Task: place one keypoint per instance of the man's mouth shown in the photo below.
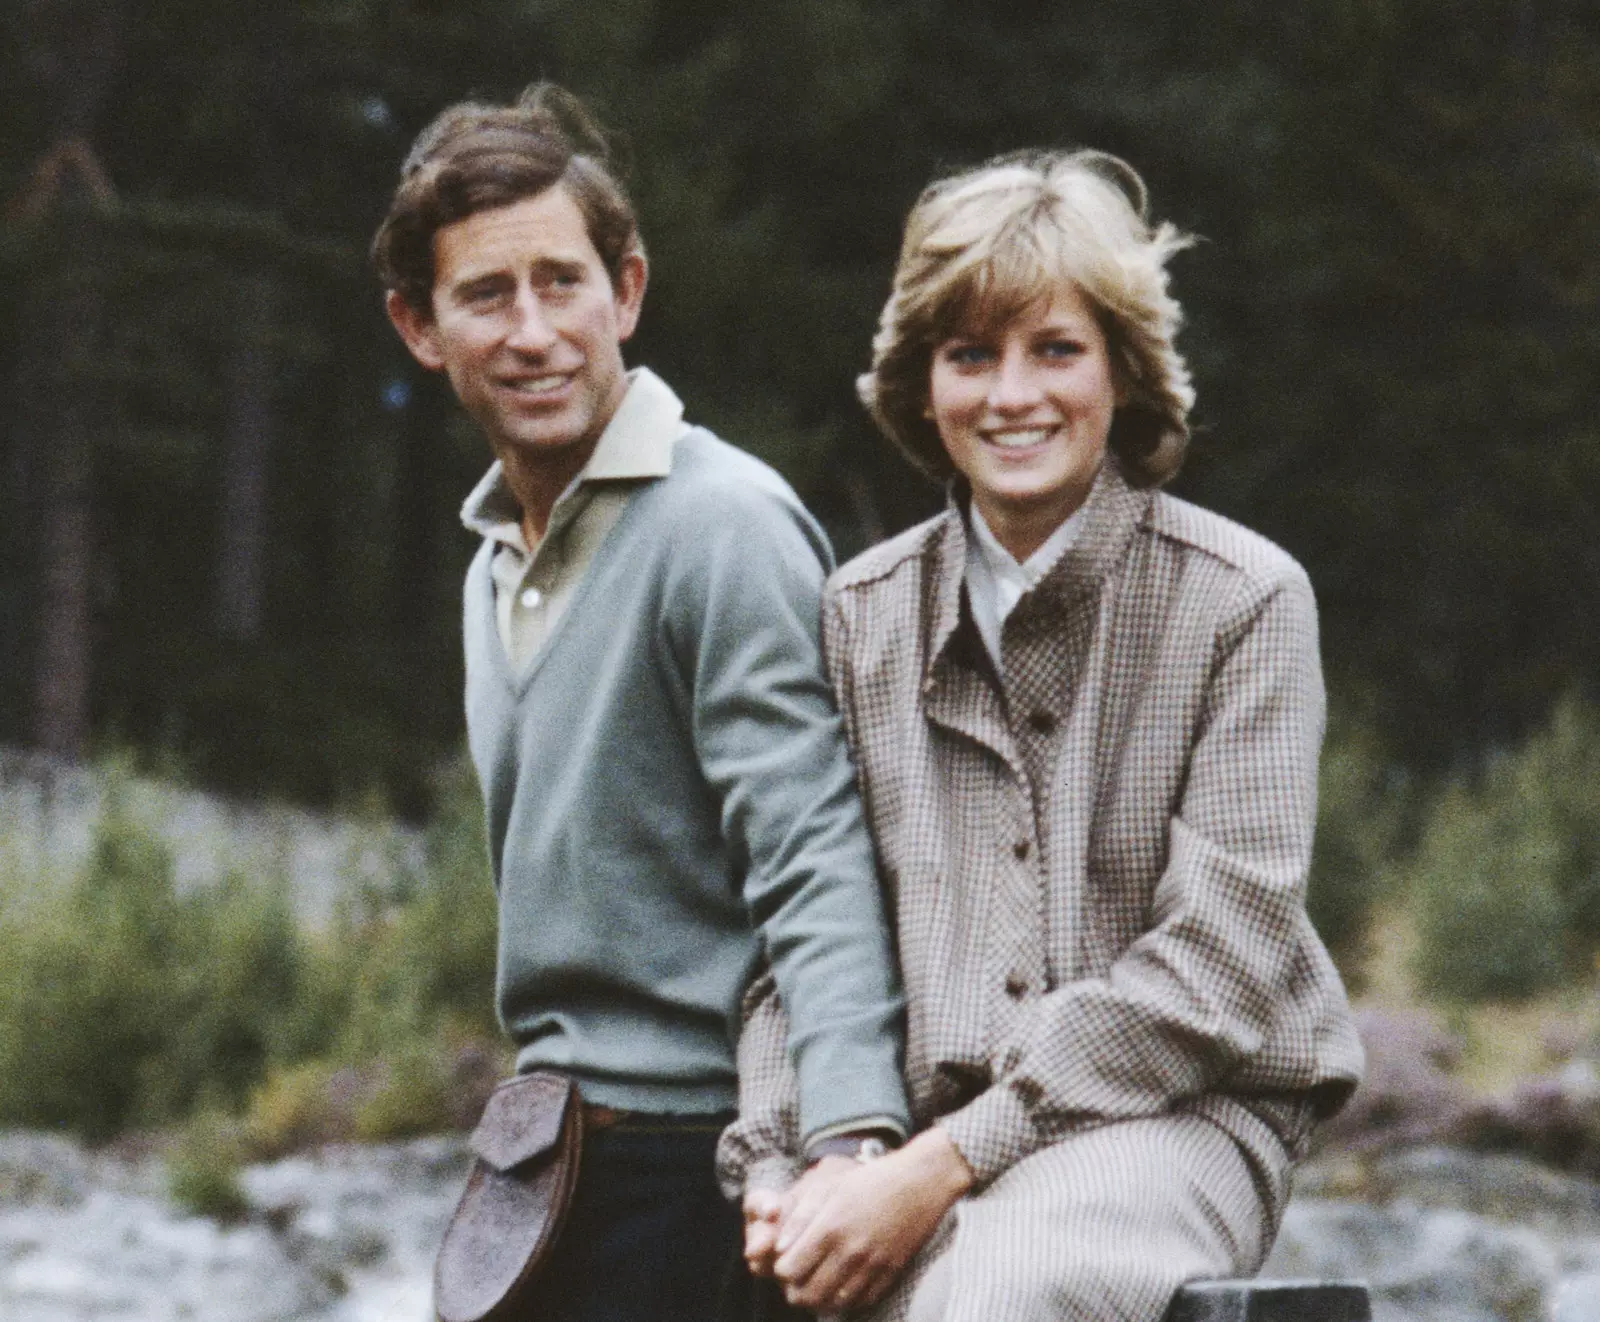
(535, 386)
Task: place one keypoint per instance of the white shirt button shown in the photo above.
(532, 597)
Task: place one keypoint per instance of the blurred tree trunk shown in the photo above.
(250, 436)
(60, 386)
(247, 455)
(74, 48)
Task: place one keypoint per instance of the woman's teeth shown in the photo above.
(1017, 440)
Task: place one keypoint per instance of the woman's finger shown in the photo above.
(808, 1196)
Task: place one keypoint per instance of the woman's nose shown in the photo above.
(1014, 385)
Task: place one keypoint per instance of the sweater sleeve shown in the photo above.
(744, 612)
(1195, 995)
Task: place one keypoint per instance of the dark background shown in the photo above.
(228, 531)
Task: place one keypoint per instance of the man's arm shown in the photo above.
(742, 616)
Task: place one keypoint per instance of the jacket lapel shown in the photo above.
(959, 693)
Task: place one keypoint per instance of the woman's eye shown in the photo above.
(1060, 349)
(967, 355)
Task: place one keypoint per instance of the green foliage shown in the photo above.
(203, 1169)
(412, 1096)
(1504, 873)
(124, 1002)
(1563, 761)
(87, 993)
(1361, 805)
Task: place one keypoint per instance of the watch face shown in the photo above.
(871, 1148)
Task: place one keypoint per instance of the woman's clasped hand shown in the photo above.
(843, 1234)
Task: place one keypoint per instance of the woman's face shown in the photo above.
(1024, 413)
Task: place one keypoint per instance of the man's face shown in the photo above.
(528, 326)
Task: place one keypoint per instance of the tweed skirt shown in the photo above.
(1102, 1226)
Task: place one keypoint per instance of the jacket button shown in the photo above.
(1042, 722)
(1020, 849)
(1016, 986)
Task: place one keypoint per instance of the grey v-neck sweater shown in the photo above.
(669, 793)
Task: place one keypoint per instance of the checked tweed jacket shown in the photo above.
(1097, 866)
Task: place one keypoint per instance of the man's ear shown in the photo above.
(417, 329)
(628, 291)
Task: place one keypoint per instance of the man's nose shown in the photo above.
(531, 331)
(1014, 385)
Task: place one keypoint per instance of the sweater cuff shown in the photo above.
(993, 1132)
(841, 1081)
(860, 1124)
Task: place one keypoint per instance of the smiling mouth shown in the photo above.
(537, 385)
(1018, 438)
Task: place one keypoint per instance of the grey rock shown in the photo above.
(1510, 1188)
(366, 1220)
(1423, 1265)
(117, 1255)
(348, 1233)
(41, 1170)
(343, 1235)
(1577, 1299)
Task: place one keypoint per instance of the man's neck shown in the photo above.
(537, 480)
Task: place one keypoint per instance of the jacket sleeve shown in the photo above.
(745, 617)
(762, 1147)
(1195, 995)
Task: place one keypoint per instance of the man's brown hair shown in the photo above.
(475, 157)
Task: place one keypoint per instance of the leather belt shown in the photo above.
(597, 1118)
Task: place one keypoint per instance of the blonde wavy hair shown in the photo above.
(982, 246)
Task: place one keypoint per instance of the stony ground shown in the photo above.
(344, 1236)
(347, 1235)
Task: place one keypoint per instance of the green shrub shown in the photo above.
(1361, 804)
(298, 1106)
(122, 1002)
(1490, 916)
(412, 1095)
(88, 993)
(241, 961)
(203, 1169)
(1561, 766)
(1507, 874)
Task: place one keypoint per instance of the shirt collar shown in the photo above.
(1110, 516)
(639, 439)
(636, 444)
(1004, 567)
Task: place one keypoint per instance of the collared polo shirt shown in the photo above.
(534, 584)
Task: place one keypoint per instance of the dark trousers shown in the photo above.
(650, 1237)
